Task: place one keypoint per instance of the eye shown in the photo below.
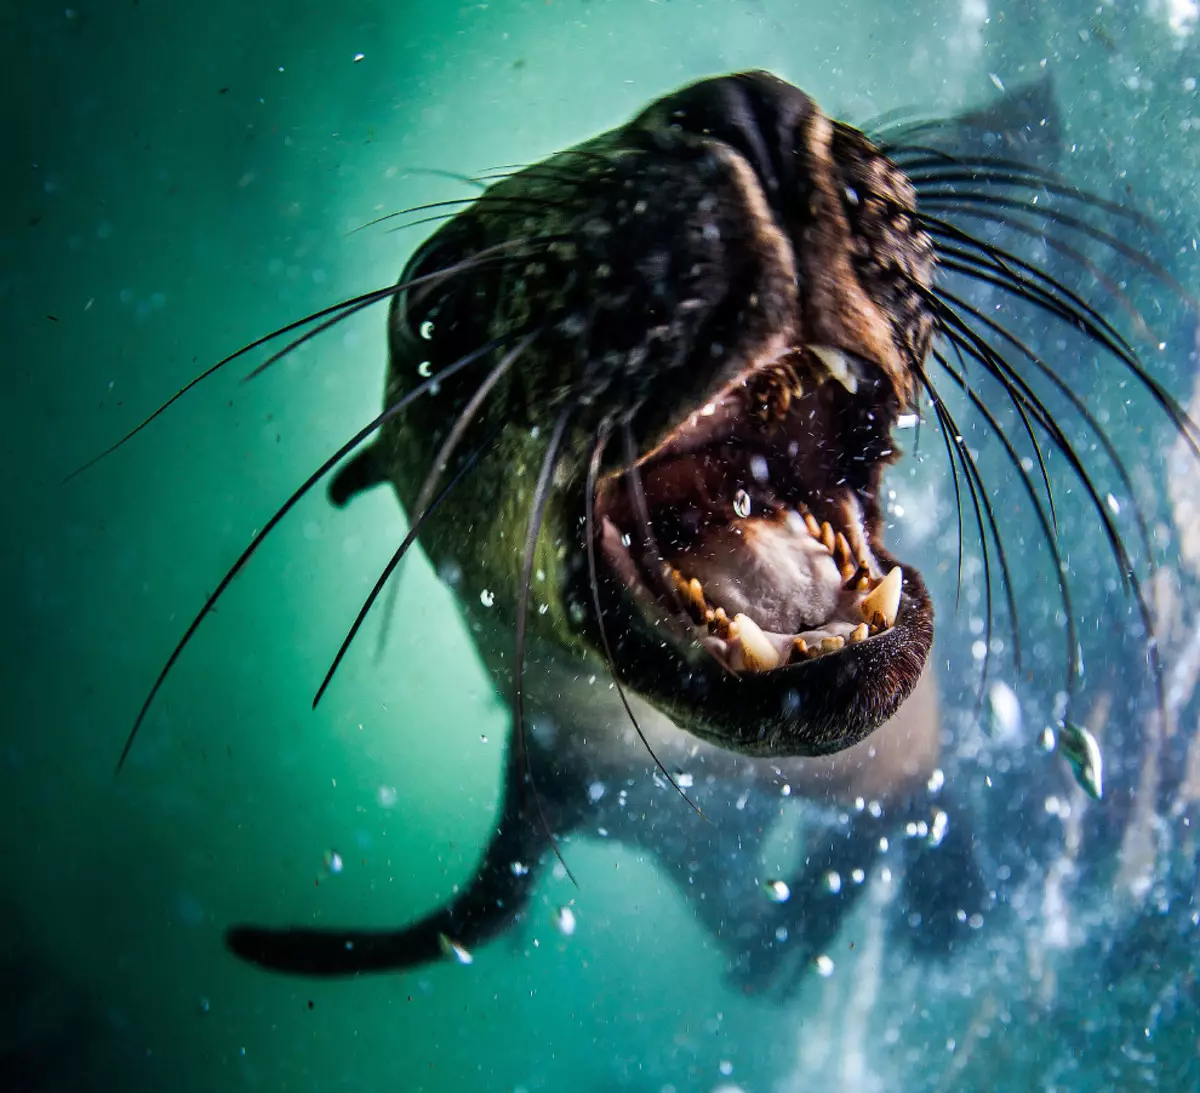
(425, 308)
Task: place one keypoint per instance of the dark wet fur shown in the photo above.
(962, 198)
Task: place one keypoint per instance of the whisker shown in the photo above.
(449, 445)
(427, 504)
(971, 472)
(971, 204)
(259, 537)
(453, 203)
(1039, 234)
(541, 494)
(341, 310)
(602, 438)
(1048, 531)
(1076, 402)
(642, 509)
(423, 513)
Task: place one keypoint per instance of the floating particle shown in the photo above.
(487, 597)
(824, 966)
(386, 796)
(333, 862)
(427, 330)
(564, 921)
(833, 881)
(777, 891)
(741, 503)
(1080, 749)
(455, 950)
(425, 369)
(358, 57)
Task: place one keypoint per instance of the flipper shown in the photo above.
(485, 907)
(358, 474)
(943, 888)
(792, 934)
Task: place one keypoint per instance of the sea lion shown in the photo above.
(639, 403)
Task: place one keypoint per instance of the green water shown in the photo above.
(180, 179)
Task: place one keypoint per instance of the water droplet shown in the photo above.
(777, 891)
(564, 921)
(455, 950)
(741, 504)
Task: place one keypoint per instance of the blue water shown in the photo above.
(180, 179)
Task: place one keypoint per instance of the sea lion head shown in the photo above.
(696, 333)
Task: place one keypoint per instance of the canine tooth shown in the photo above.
(842, 553)
(695, 593)
(884, 598)
(833, 644)
(859, 633)
(758, 654)
(827, 536)
(810, 522)
(849, 572)
(838, 367)
(799, 647)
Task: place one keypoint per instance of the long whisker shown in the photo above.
(1076, 402)
(642, 510)
(1048, 530)
(602, 438)
(455, 203)
(1039, 233)
(972, 204)
(423, 514)
(449, 445)
(971, 472)
(426, 503)
(537, 510)
(341, 310)
(366, 431)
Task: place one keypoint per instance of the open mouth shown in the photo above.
(753, 532)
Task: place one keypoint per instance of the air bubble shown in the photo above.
(741, 504)
(427, 330)
(425, 369)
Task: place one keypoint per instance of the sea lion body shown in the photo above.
(674, 252)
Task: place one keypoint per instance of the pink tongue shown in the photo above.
(784, 580)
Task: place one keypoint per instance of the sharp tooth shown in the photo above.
(849, 573)
(837, 365)
(799, 647)
(827, 536)
(884, 598)
(695, 594)
(833, 644)
(758, 654)
(810, 522)
(859, 579)
(859, 633)
(842, 551)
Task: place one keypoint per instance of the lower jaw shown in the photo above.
(808, 707)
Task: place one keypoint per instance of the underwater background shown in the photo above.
(180, 179)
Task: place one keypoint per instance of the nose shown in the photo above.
(757, 114)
